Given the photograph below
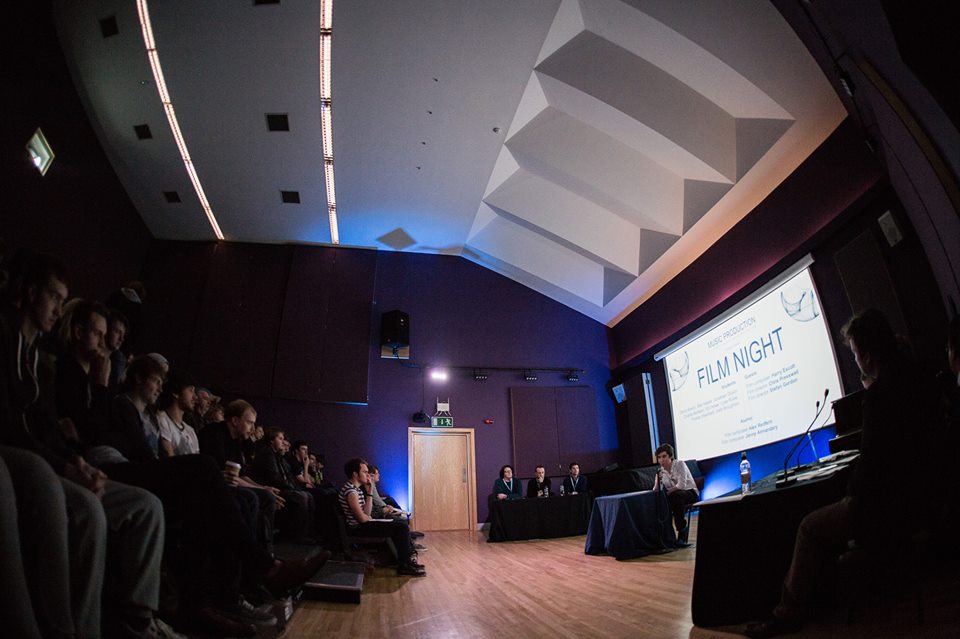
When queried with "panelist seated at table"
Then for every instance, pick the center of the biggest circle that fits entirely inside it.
(539, 485)
(680, 486)
(507, 487)
(574, 482)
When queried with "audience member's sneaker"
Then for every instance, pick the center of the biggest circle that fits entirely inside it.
(419, 547)
(412, 570)
(260, 615)
(287, 575)
(416, 534)
(221, 623)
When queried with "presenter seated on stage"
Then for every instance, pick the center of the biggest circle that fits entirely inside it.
(507, 487)
(681, 489)
(574, 482)
(539, 485)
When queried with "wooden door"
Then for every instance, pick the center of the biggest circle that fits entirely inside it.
(443, 485)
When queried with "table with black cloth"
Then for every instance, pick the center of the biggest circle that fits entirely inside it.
(745, 544)
(538, 518)
(616, 482)
(631, 525)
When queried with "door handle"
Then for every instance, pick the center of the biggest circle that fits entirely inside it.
(464, 480)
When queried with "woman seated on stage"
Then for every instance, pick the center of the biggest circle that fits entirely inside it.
(507, 487)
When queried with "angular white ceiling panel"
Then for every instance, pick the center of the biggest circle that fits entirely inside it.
(627, 130)
(570, 217)
(601, 169)
(672, 51)
(543, 258)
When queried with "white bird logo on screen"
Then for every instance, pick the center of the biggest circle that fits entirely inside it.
(678, 374)
(800, 304)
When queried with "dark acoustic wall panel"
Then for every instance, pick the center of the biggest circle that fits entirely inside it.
(239, 319)
(323, 348)
(638, 425)
(348, 328)
(300, 346)
(577, 429)
(533, 412)
(175, 276)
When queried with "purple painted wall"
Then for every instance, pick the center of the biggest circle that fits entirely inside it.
(461, 314)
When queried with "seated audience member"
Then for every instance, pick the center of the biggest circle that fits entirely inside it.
(224, 442)
(380, 508)
(270, 468)
(116, 332)
(35, 570)
(316, 472)
(196, 417)
(129, 300)
(506, 487)
(675, 478)
(574, 482)
(134, 430)
(177, 437)
(83, 372)
(84, 500)
(160, 359)
(881, 507)
(357, 508)
(215, 414)
(539, 485)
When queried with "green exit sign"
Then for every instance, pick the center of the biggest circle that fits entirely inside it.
(442, 422)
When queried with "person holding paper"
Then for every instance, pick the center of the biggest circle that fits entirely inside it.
(357, 508)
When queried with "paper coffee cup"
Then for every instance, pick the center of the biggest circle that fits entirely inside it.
(232, 468)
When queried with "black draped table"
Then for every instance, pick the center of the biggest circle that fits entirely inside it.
(745, 544)
(631, 525)
(538, 518)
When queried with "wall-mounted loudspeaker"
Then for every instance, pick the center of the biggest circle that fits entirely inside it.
(395, 329)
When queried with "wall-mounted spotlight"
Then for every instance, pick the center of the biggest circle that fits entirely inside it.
(479, 374)
(439, 375)
(530, 376)
(573, 376)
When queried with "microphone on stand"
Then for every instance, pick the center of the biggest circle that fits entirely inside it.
(786, 480)
(823, 423)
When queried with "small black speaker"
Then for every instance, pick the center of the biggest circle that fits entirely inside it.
(395, 329)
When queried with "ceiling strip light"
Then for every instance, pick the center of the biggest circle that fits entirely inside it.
(326, 115)
(171, 115)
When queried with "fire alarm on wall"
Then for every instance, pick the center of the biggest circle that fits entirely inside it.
(488, 421)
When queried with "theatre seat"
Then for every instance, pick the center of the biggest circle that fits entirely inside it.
(355, 548)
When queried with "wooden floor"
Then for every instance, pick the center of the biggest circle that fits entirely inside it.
(550, 588)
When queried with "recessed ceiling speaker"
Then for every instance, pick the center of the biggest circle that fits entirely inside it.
(395, 329)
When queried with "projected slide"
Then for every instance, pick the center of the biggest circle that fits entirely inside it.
(755, 378)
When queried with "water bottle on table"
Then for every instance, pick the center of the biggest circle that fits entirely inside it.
(744, 474)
